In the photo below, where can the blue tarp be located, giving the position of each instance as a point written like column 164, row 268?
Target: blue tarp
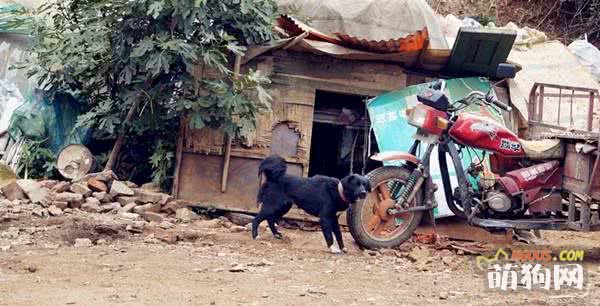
column 50, row 121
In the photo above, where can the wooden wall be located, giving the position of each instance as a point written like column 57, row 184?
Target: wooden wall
column 287, row 130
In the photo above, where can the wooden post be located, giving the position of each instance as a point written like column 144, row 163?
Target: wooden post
column 198, row 76
column 178, row 155
column 227, row 156
column 572, row 208
column 120, row 139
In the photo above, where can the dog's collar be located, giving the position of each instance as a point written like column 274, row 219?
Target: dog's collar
column 341, row 192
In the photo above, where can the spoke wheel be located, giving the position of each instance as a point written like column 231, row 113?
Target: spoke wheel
column 370, row 224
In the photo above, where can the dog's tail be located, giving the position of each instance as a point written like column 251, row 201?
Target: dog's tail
column 274, row 167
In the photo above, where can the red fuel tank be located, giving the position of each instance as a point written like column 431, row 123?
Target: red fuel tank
column 485, row 134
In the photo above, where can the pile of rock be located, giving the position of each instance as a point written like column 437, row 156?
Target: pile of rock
column 94, row 193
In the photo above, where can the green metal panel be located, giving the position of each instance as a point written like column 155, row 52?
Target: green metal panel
column 478, row 52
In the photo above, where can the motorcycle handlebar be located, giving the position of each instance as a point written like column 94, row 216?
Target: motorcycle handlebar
column 489, row 99
column 499, row 104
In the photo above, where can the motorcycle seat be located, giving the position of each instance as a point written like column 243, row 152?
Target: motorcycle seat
column 543, row 149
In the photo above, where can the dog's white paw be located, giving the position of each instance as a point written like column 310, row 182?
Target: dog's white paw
column 345, row 250
column 334, row 249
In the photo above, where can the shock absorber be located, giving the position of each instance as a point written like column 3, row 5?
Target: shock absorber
column 407, row 189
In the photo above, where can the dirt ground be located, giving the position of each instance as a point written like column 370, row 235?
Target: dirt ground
column 207, row 263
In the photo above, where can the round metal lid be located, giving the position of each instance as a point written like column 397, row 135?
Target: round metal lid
column 74, row 161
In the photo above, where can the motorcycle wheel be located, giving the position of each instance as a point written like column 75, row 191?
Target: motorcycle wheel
column 367, row 219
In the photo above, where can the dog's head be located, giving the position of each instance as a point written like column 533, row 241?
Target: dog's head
column 355, row 187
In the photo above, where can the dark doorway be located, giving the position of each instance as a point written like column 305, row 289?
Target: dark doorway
column 339, row 136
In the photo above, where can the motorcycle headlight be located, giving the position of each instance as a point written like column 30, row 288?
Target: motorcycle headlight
column 417, row 117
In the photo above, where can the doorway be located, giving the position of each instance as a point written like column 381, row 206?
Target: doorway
column 340, row 136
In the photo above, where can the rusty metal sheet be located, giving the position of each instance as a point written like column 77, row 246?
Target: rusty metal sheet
column 413, row 42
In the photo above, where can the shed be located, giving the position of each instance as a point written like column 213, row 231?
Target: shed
column 317, row 113
column 318, row 122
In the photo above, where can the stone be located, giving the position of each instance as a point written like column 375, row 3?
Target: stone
column 213, row 223
column 166, row 225
column 261, row 227
column 91, row 207
column 40, row 212
column 127, row 208
column 60, row 204
column 74, row 199
column 448, row 260
column 61, row 187
column 419, row 255
column 119, row 188
column 153, row 217
column 102, row 196
column 48, row 183
column 237, row 229
column 171, row 207
column 97, row 185
column 146, row 207
column 238, row 268
column 131, row 184
column 261, row 263
column 104, row 176
column 34, row 191
column 110, row 207
column 129, row 216
column 82, row 242
column 13, row 191
column 136, row 226
column 443, row 295
column 183, row 215
column 55, row 211
column 126, row 200
column 151, row 187
column 81, row 189
column 152, row 197
column 93, row 200
column 225, row 222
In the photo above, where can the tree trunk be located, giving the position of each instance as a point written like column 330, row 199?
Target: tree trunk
column 120, row 139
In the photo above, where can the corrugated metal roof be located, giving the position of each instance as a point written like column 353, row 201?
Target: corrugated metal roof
column 413, row 42
column 294, row 27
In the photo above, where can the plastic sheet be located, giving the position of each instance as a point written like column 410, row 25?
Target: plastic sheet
column 588, row 55
column 50, row 121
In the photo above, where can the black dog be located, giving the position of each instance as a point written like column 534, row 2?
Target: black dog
column 320, row 196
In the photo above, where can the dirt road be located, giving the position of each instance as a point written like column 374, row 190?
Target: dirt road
column 206, row 264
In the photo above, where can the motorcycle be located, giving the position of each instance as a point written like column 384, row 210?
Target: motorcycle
column 517, row 185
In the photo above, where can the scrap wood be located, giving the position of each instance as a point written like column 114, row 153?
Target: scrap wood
column 471, row 249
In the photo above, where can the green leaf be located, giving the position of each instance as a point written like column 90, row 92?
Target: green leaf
column 196, row 121
column 155, row 9
column 144, row 46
